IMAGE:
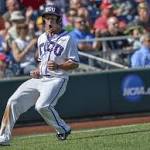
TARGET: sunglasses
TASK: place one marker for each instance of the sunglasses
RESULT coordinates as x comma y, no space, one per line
81,21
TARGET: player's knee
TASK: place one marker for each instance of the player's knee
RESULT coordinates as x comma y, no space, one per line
40,108
13,106
12,103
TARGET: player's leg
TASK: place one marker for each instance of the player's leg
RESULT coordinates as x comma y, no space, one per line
23,98
50,92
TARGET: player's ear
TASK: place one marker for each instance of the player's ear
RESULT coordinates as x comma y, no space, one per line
59,20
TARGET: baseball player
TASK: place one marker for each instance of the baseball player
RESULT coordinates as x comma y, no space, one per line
57,54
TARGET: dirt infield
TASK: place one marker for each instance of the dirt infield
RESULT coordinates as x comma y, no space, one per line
81,124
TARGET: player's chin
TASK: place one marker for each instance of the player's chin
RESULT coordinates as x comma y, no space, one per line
50,30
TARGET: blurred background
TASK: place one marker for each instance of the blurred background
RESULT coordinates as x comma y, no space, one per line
108,32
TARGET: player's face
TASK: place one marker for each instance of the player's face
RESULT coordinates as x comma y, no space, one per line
50,22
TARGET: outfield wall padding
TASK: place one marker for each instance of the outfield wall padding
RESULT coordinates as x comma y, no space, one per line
93,94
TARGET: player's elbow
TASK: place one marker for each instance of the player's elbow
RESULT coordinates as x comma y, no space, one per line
76,66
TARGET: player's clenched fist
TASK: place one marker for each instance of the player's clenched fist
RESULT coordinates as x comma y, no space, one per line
35,73
52,65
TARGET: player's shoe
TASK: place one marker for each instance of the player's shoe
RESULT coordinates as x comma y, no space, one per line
63,136
4,141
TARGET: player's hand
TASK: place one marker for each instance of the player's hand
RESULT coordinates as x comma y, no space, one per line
35,73
52,65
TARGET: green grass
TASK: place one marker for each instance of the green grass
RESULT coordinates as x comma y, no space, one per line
132,137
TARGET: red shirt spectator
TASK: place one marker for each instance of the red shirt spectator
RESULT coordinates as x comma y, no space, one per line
106,11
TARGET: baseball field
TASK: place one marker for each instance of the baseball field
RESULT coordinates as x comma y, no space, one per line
124,137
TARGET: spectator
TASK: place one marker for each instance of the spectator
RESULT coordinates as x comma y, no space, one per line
113,30
111,48
81,32
30,14
93,8
75,4
4,48
124,9
135,31
12,5
83,12
5,72
143,17
141,57
100,24
24,50
16,18
31,29
39,26
71,14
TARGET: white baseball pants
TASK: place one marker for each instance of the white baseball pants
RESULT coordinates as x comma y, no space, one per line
44,94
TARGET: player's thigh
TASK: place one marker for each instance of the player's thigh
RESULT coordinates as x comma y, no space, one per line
26,94
51,90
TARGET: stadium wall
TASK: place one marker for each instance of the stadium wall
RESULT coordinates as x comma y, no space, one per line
93,94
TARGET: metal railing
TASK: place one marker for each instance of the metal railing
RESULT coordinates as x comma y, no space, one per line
108,62
103,55
106,39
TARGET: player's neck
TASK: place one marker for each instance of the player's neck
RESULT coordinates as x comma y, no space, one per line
50,34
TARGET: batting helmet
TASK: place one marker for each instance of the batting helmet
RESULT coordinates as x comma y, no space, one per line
51,10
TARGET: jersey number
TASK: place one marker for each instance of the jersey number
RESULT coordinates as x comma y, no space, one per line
51,46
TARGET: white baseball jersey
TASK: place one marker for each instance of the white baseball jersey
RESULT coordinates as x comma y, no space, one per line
58,49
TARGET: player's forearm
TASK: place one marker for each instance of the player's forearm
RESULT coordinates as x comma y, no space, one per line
68,65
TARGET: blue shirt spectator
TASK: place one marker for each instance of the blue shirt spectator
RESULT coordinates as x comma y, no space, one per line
80,35
81,32
141,58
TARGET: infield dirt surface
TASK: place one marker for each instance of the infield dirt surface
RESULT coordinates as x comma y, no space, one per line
29,129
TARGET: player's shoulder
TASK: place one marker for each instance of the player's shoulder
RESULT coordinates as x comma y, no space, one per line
65,36
64,33
42,37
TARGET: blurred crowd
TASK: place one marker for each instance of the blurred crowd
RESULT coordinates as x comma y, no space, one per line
21,25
